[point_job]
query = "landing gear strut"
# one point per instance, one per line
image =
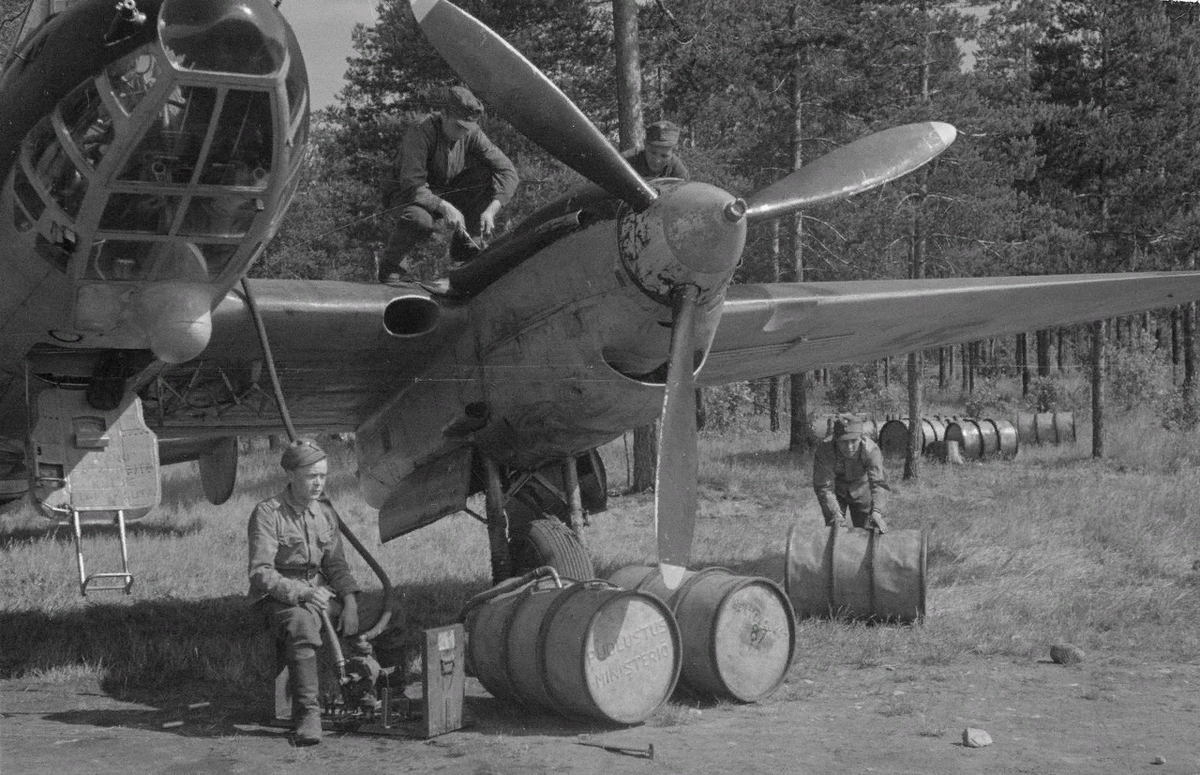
(537, 518)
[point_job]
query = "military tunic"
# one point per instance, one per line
(468, 173)
(292, 548)
(858, 482)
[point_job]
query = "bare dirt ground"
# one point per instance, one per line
(1107, 715)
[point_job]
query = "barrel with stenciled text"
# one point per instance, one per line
(737, 632)
(585, 649)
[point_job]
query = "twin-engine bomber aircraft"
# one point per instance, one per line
(148, 153)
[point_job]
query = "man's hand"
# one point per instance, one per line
(877, 522)
(348, 621)
(454, 217)
(487, 220)
(318, 597)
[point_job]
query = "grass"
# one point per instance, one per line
(1052, 546)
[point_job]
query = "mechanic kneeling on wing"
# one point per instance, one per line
(848, 475)
(298, 570)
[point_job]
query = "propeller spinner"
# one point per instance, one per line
(698, 230)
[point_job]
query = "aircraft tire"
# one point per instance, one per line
(550, 542)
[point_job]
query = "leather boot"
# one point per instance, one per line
(306, 705)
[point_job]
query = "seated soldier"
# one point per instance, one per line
(298, 571)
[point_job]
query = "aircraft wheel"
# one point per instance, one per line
(550, 542)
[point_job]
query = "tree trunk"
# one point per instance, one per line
(1023, 362)
(973, 353)
(1175, 346)
(912, 459)
(799, 432)
(1043, 353)
(773, 386)
(773, 402)
(1098, 339)
(800, 435)
(629, 126)
(1188, 317)
(645, 456)
(629, 73)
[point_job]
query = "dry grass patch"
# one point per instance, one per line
(1051, 546)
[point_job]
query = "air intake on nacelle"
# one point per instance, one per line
(411, 316)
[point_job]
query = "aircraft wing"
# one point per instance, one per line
(780, 328)
(341, 349)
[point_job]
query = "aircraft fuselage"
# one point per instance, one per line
(564, 352)
(147, 155)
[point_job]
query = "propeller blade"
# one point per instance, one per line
(861, 165)
(675, 480)
(527, 99)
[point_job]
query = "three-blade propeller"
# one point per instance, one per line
(528, 100)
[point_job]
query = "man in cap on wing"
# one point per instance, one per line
(657, 158)
(446, 170)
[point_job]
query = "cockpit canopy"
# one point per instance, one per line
(175, 161)
(222, 37)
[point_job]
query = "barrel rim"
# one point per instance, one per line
(740, 583)
(510, 613)
(526, 593)
(618, 593)
(556, 702)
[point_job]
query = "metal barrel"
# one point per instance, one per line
(1026, 430)
(989, 438)
(969, 437)
(585, 649)
(1008, 438)
(1046, 428)
(932, 429)
(893, 438)
(857, 573)
(1064, 427)
(738, 632)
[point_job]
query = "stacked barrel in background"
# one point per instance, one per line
(977, 439)
(1046, 428)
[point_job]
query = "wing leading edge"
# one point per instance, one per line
(769, 329)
